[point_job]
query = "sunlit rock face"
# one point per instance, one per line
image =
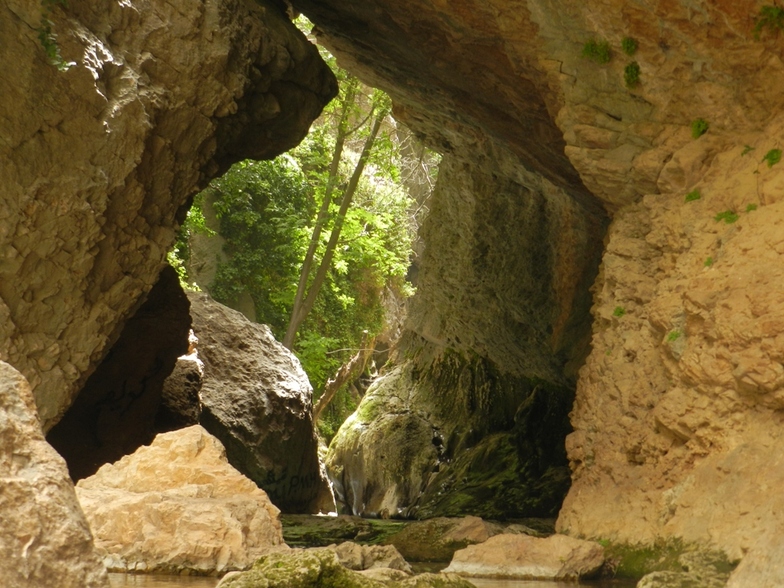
(677, 407)
(97, 160)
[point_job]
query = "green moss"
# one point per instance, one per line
(770, 18)
(728, 216)
(747, 149)
(693, 195)
(619, 311)
(631, 75)
(674, 336)
(772, 157)
(629, 46)
(598, 51)
(699, 127)
(751, 207)
(632, 562)
(708, 262)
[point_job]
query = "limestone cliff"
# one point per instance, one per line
(97, 160)
(678, 406)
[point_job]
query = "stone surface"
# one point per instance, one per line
(678, 406)
(44, 538)
(98, 160)
(461, 439)
(116, 410)
(320, 568)
(258, 402)
(180, 399)
(364, 557)
(178, 506)
(557, 557)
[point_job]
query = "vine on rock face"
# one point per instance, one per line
(47, 37)
(770, 18)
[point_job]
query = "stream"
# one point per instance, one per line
(157, 581)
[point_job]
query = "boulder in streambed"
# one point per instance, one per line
(521, 557)
(177, 506)
(321, 568)
(44, 539)
(258, 401)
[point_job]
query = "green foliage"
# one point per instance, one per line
(693, 195)
(708, 262)
(631, 74)
(598, 51)
(770, 17)
(699, 127)
(747, 149)
(619, 311)
(772, 157)
(629, 46)
(674, 336)
(728, 216)
(750, 207)
(47, 37)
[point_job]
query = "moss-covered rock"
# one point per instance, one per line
(454, 435)
(320, 568)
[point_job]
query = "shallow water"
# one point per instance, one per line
(157, 581)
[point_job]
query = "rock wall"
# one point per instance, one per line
(98, 160)
(677, 408)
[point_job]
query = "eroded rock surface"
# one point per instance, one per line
(178, 506)
(116, 411)
(258, 402)
(97, 160)
(529, 558)
(44, 538)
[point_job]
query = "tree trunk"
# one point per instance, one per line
(348, 372)
(300, 311)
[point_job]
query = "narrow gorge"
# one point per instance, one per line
(597, 333)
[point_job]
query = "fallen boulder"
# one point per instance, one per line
(44, 538)
(365, 557)
(258, 401)
(529, 558)
(177, 506)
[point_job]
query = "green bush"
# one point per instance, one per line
(598, 51)
(769, 17)
(629, 46)
(699, 127)
(631, 74)
(728, 216)
(772, 157)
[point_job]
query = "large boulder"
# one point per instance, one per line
(97, 160)
(117, 409)
(258, 402)
(557, 557)
(177, 506)
(44, 538)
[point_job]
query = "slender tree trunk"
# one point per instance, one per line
(321, 219)
(348, 372)
(299, 313)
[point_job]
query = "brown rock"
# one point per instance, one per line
(258, 401)
(44, 538)
(178, 506)
(180, 400)
(98, 160)
(116, 410)
(365, 557)
(557, 557)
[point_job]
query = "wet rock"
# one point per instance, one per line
(529, 558)
(460, 438)
(320, 568)
(116, 410)
(44, 538)
(258, 401)
(177, 506)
